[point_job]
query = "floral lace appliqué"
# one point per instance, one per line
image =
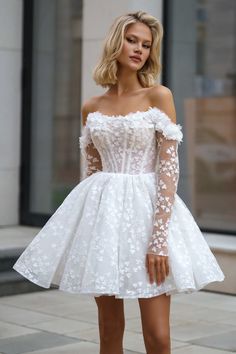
(91, 156)
(167, 181)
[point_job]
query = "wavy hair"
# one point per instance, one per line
(105, 72)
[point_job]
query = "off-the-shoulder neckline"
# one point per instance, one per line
(123, 116)
(163, 122)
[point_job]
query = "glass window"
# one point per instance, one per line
(202, 74)
(55, 115)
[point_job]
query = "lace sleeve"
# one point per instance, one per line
(91, 156)
(167, 180)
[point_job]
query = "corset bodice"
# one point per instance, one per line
(128, 143)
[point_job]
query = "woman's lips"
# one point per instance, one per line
(137, 60)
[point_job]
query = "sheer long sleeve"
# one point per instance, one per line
(167, 181)
(91, 157)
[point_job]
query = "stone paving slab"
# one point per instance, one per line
(80, 348)
(22, 316)
(31, 342)
(62, 326)
(226, 341)
(8, 330)
(197, 329)
(194, 349)
(56, 322)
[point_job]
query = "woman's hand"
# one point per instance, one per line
(157, 267)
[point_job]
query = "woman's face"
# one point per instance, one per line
(136, 46)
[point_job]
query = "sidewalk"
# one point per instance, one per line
(55, 322)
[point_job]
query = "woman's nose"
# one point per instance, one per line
(138, 48)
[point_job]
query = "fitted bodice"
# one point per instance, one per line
(129, 143)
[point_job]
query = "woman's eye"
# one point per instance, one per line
(130, 40)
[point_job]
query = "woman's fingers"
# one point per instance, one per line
(167, 266)
(157, 268)
(151, 269)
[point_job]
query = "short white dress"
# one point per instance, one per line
(125, 206)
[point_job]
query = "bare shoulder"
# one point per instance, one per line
(161, 97)
(89, 106)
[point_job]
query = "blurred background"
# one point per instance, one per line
(48, 49)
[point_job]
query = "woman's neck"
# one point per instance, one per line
(126, 82)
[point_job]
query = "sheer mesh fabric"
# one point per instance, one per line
(91, 156)
(167, 181)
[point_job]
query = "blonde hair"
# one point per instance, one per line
(105, 72)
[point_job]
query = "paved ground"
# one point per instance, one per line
(54, 322)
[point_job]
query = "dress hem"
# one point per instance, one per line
(87, 292)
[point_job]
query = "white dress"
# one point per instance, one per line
(126, 206)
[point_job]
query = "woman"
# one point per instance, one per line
(123, 232)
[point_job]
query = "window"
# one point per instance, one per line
(51, 103)
(201, 71)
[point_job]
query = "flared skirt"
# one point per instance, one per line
(96, 241)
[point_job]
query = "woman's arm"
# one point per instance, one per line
(166, 183)
(167, 180)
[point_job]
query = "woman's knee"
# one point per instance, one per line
(157, 342)
(155, 323)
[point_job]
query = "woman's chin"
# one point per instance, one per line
(129, 67)
(133, 67)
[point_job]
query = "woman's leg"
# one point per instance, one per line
(155, 312)
(111, 323)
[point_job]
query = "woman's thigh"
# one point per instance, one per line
(110, 311)
(155, 313)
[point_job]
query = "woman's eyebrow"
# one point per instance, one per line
(133, 35)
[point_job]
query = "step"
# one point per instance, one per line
(8, 257)
(12, 283)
